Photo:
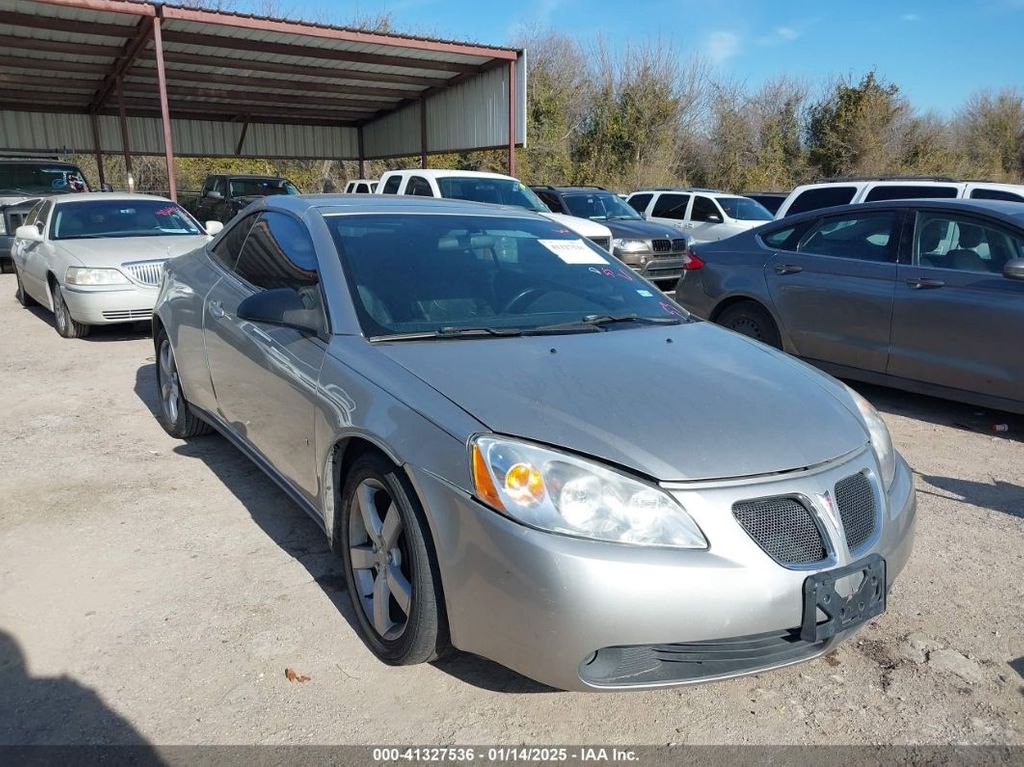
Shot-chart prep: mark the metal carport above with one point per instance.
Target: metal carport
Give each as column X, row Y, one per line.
column 118, row 76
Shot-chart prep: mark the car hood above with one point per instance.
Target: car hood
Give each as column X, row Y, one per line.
column 710, row 404
column 582, row 226
column 643, row 229
column 118, row 250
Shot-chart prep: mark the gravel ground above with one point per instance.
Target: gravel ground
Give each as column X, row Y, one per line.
column 154, row 591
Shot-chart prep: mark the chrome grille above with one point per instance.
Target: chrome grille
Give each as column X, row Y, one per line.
column 856, row 502
column 783, row 528
column 128, row 314
column 146, row 272
column 661, row 246
column 602, row 242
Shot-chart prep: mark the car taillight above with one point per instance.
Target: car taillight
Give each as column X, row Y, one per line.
column 691, row 260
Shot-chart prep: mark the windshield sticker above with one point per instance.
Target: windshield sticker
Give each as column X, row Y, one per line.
column 645, row 293
column 670, row 309
column 573, row 251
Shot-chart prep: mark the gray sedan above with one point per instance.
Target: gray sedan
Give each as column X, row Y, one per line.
column 923, row 295
column 440, row 385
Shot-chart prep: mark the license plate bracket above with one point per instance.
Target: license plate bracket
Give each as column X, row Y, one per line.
column 843, row 612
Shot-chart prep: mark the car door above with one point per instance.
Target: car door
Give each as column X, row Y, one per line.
column 957, row 321
column 705, row 220
column 34, row 257
column 265, row 376
column 834, row 294
column 671, row 208
column 204, row 208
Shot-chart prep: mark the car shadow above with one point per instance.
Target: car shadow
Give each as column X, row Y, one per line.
column 126, row 331
column 996, row 495
column 288, row 526
column 943, row 412
column 58, row 711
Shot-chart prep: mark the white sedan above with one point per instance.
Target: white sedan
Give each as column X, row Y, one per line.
column 97, row 258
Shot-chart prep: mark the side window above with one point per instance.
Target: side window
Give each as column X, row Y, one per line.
column 419, row 187
column 44, row 214
column 705, row 210
column 862, row 236
column 671, row 206
column 392, row 184
column 210, row 182
column 965, row 244
column 279, row 253
column 981, row 193
column 786, row 238
column 221, row 186
column 909, row 192
column 822, row 197
column 362, row 189
column 551, row 200
column 229, row 246
column 33, row 215
column 639, row 202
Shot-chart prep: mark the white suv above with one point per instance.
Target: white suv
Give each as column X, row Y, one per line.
column 828, row 194
column 487, row 187
column 361, row 186
column 705, row 214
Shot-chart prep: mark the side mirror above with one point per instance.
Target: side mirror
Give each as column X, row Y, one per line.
column 714, row 218
column 214, row 227
column 281, row 306
column 1013, row 270
column 213, row 194
column 28, row 232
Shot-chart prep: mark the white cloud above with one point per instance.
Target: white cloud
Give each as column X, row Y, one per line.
column 787, row 33
column 910, row 17
column 721, row 45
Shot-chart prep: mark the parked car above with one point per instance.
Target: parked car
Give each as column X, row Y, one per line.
column 23, row 181
column 657, row 251
column 224, row 195
column 922, row 295
column 771, row 201
column 448, row 389
column 492, row 188
column 848, row 191
column 705, row 214
column 361, row 186
column 97, row 258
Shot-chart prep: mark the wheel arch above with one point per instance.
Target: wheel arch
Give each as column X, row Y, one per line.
column 740, row 298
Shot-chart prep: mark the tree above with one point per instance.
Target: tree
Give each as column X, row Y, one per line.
column 991, row 131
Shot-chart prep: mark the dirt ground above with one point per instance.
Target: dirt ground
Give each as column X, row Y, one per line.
column 154, row 591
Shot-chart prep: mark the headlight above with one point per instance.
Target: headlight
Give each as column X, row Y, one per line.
column 78, row 275
column 630, row 246
column 561, row 493
column 881, row 442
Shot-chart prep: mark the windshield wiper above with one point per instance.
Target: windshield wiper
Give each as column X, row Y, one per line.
column 451, row 332
column 595, row 321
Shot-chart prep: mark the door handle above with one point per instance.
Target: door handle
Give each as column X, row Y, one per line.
column 788, row 269
column 217, row 311
column 924, row 282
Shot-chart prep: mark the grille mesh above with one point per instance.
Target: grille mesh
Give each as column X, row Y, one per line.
column 783, row 528
column 856, row 503
column 678, row 246
column 661, row 246
column 146, row 272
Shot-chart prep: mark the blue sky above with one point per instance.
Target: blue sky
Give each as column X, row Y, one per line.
column 937, row 51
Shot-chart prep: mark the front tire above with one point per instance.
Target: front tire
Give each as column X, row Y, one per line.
column 176, row 414
column 751, row 319
column 67, row 326
column 389, row 565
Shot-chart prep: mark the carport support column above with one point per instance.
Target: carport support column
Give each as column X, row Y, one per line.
column 97, row 148
column 362, row 153
column 126, row 147
column 512, row 117
column 423, row 133
column 165, row 113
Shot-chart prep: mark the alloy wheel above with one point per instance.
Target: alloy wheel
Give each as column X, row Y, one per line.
column 170, row 388
column 59, row 310
column 380, row 559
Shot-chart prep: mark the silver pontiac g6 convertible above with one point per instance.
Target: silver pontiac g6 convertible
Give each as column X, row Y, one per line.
column 520, row 448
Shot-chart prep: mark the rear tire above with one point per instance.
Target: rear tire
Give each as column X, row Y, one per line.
column 19, row 292
column 176, row 414
column 67, row 326
column 390, row 566
column 751, row 319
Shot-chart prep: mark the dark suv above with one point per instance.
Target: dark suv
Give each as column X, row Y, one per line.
column 658, row 252
column 224, row 195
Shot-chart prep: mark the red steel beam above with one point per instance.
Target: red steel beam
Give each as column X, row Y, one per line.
column 97, row 144
column 58, row 46
column 53, row 65
column 279, row 83
column 333, row 33
column 261, row 97
column 423, row 133
column 53, row 23
column 140, row 38
column 512, row 118
column 107, row 6
column 232, row 109
column 165, row 112
column 123, row 120
column 42, row 85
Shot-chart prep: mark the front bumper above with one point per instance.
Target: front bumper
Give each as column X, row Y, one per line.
column 544, row 604
column 109, row 306
column 655, row 268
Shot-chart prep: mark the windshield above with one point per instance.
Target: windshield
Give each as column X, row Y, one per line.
column 745, row 209
column 260, row 187
column 91, row 219
column 439, row 274
column 599, row 206
column 45, row 178
column 500, row 191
